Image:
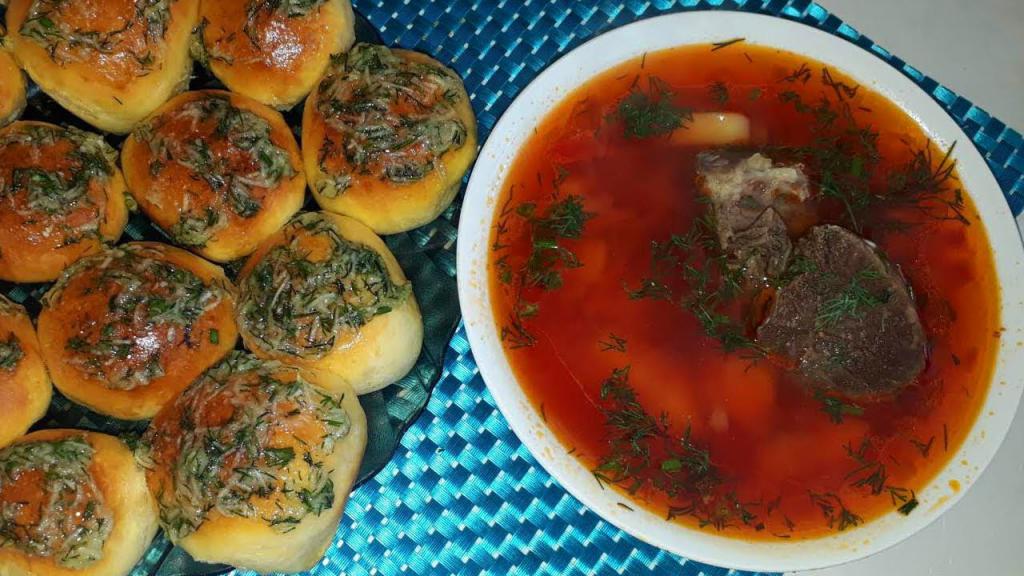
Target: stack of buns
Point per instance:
(148, 331)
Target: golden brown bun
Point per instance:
(368, 357)
(269, 55)
(171, 185)
(40, 233)
(112, 87)
(387, 204)
(12, 85)
(301, 441)
(125, 351)
(123, 487)
(24, 385)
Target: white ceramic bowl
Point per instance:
(628, 42)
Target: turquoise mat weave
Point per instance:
(461, 494)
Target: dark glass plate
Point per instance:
(427, 256)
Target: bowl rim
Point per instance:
(703, 27)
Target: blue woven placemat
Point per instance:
(462, 495)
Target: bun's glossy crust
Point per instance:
(290, 53)
(34, 247)
(25, 389)
(12, 85)
(253, 544)
(74, 308)
(388, 207)
(123, 484)
(165, 195)
(115, 88)
(370, 358)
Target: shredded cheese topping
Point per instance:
(392, 118)
(65, 516)
(248, 439)
(299, 304)
(152, 307)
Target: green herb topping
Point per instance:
(652, 112)
(228, 148)
(388, 117)
(10, 353)
(693, 271)
(70, 522)
(852, 300)
(87, 161)
(139, 35)
(562, 220)
(299, 304)
(257, 9)
(643, 454)
(152, 307)
(248, 439)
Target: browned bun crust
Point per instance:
(24, 385)
(12, 84)
(122, 484)
(272, 531)
(40, 235)
(368, 357)
(126, 351)
(385, 204)
(270, 56)
(164, 173)
(142, 62)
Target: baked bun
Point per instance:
(61, 198)
(124, 331)
(386, 138)
(251, 465)
(325, 294)
(12, 84)
(217, 171)
(110, 62)
(24, 386)
(74, 503)
(273, 52)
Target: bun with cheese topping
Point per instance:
(217, 171)
(25, 389)
(325, 294)
(386, 138)
(125, 330)
(273, 52)
(252, 465)
(72, 503)
(61, 198)
(110, 62)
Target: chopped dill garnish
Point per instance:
(643, 453)
(719, 93)
(869, 471)
(564, 219)
(923, 447)
(613, 344)
(651, 113)
(801, 74)
(692, 271)
(851, 300)
(838, 516)
(725, 44)
(837, 408)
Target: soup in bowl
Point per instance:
(742, 301)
